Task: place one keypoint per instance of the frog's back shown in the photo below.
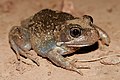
(49, 16)
(47, 19)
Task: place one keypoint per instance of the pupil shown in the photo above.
(75, 32)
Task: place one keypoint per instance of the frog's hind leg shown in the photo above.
(20, 43)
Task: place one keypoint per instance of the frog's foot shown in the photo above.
(34, 58)
(73, 61)
(76, 68)
(106, 60)
(28, 55)
(111, 60)
(92, 60)
(102, 46)
(73, 67)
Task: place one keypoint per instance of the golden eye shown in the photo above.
(75, 32)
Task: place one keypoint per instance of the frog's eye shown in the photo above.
(75, 32)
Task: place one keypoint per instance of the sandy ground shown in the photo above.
(106, 14)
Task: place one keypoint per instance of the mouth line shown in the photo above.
(72, 45)
(77, 45)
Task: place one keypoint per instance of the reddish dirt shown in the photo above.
(106, 15)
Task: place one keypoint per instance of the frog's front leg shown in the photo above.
(104, 38)
(20, 43)
(56, 57)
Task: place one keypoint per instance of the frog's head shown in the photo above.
(79, 32)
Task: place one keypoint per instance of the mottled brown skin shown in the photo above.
(52, 34)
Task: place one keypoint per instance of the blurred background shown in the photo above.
(106, 15)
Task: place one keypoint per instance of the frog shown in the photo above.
(53, 34)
